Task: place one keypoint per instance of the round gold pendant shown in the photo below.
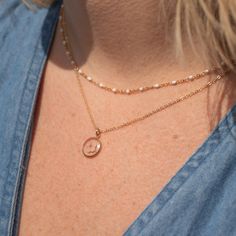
(91, 147)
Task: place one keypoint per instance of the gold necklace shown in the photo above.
(128, 91)
(93, 145)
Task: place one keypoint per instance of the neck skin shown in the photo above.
(124, 42)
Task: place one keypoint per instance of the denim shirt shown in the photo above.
(200, 200)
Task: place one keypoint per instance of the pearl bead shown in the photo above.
(156, 85)
(114, 90)
(89, 78)
(141, 89)
(174, 82)
(127, 91)
(218, 77)
(206, 71)
(101, 85)
(190, 77)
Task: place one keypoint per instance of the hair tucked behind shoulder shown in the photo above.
(209, 27)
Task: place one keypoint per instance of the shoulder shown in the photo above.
(8, 6)
(21, 29)
(24, 40)
(11, 11)
(16, 20)
(23, 35)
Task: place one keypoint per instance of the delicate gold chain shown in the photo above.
(67, 45)
(145, 116)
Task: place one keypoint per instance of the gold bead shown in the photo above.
(98, 132)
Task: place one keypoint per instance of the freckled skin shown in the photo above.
(175, 136)
(68, 194)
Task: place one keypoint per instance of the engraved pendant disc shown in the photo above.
(92, 147)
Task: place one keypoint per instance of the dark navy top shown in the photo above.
(200, 200)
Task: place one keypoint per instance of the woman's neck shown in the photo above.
(121, 39)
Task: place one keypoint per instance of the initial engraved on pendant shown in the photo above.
(91, 147)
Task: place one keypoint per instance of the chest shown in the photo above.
(68, 193)
(65, 192)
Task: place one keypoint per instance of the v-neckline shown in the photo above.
(203, 152)
(180, 177)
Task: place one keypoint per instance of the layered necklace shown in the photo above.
(93, 145)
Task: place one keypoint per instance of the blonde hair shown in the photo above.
(208, 26)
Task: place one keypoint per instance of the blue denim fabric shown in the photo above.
(25, 38)
(200, 200)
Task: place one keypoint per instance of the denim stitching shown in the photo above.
(223, 128)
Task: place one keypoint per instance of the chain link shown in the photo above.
(147, 115)
(99, 131)
(130, 91)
